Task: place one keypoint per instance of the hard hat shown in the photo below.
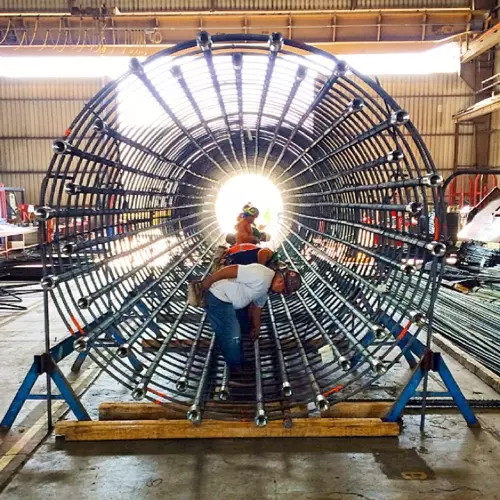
(293, 281)
(250, 211)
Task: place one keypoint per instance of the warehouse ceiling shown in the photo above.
(95, 6)
(141, 28)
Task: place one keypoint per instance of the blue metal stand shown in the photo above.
(112, 338)
(369, 338)
(429, 361)
(46, 364)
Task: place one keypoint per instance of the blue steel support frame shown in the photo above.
(429, 361)
(48, 364)
(369, 338)
(44, 363)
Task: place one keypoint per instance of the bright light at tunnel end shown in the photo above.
(253, 188)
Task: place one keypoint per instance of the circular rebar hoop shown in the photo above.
(129, 206)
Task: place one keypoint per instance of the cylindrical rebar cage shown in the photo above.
(129, 204)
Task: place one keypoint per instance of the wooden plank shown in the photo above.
(481, 44)
(296, 410)
(174, 411)
(481, 108)
(209, 429)
(140, 411)
(371, 409)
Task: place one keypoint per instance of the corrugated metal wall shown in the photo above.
(35, 111)
(431, 101)
(35, 6)
(495, 124)
(170, 5)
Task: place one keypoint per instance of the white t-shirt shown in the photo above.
(251, 285)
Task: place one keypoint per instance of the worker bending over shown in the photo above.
(234, 298)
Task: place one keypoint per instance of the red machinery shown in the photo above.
(3, 202)
(470, 189)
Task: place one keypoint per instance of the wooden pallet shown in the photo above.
(133, 421)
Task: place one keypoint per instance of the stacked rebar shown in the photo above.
(128, 205)
(471, 320)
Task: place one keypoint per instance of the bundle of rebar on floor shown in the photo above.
(471, 320)
(140, 168)
(478, 254)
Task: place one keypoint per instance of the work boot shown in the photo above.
(196, 294)
(219, 253)
(218, 258)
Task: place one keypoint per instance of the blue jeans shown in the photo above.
(229, 324)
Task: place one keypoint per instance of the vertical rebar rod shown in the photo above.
(48, 358)
(286, 387)
(260, 416)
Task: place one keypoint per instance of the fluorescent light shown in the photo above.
(442, 59)
(63, 66)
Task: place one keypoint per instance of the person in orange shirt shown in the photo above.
(245, 228)
(244, 249)
(244, 225)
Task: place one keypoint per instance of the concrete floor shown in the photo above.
(450, 461)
